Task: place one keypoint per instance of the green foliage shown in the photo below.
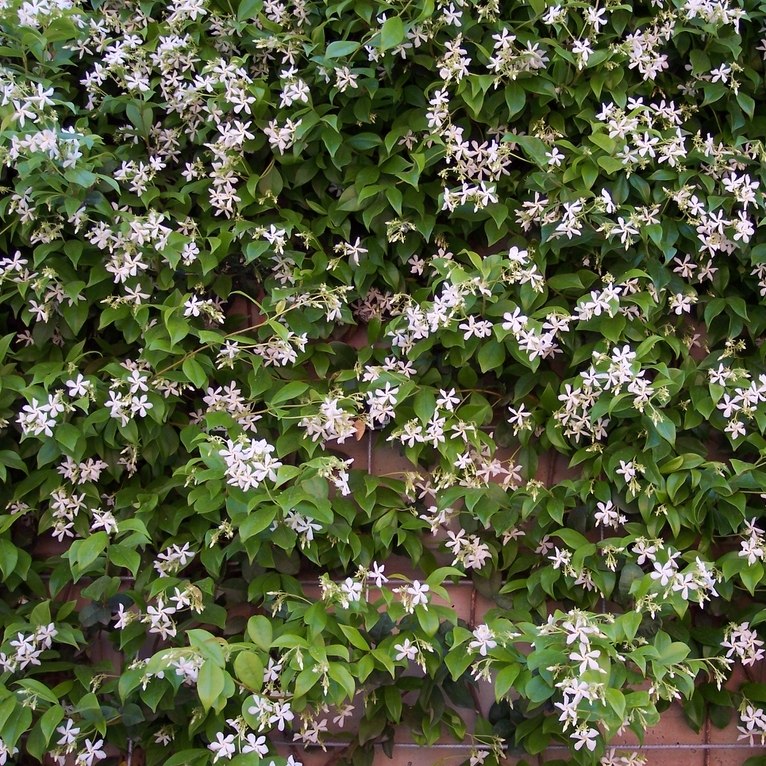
(294, 291)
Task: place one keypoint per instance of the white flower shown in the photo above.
(163, 736)
(344, 79)
(481, 328)
(588, 659)
(6, 751)
(343, 713)
(255, 745)
(586, 737)
(735, 429)
(720, 74)
(609, 206)
(193, 306)
(92, 753)
(68, 732)
(223, 747)
(352, 589)
(744, 643)
(682, 304)
(79, 387)
(608, 515)
(377, 575)
(583, 50)
(626, 470)
(555, 157)
(447, 399)
(406, 650)
(281, 715)
(665, 572)
(560, 558)
(514, 322)
(418, 592)
(484, 640)
(140, 405)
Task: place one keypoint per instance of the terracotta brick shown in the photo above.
(482, 605)
(388, 460)
(727, 735)
(692, 757)
(405, 754)
(699, 348)
(461, 599)
(671, 730)
(101, 650)
(356, 449)
(421, 756)
(356, 337)
(246, 311)
(732, 756)
(553, 467)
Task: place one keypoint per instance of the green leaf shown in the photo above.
(305, 681)
(89, 549)
(713, 91)
(491, 355)
(189, 757)
(16, 726)
(249, 9)
(69, 436)
(747, 103)
(354, 637)
(504, 681)
(209, 646)
(122, 556)
(194, 372)
(428, 620)
(515, 98)
(249, 670)
(40, 736)
(393, 699)
(694, 711)
(611, 164)
(9, 557)
(341, 675)
(536, 690)
(341, 48)
(391, 33)
(260, 632)
(457, 663)
(673, 653)
(424, 404)
(665, 428)
(210, 683)
(751, 576)
(534, 148)
(257, 520)
(5, 343)
(589, 173)
(289, 391)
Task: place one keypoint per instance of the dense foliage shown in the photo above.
(481, 233)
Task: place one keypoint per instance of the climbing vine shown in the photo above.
(515, 244)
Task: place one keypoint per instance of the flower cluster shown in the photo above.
(249, 462)
(161, 617)
(288, 285)
(27, 648)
